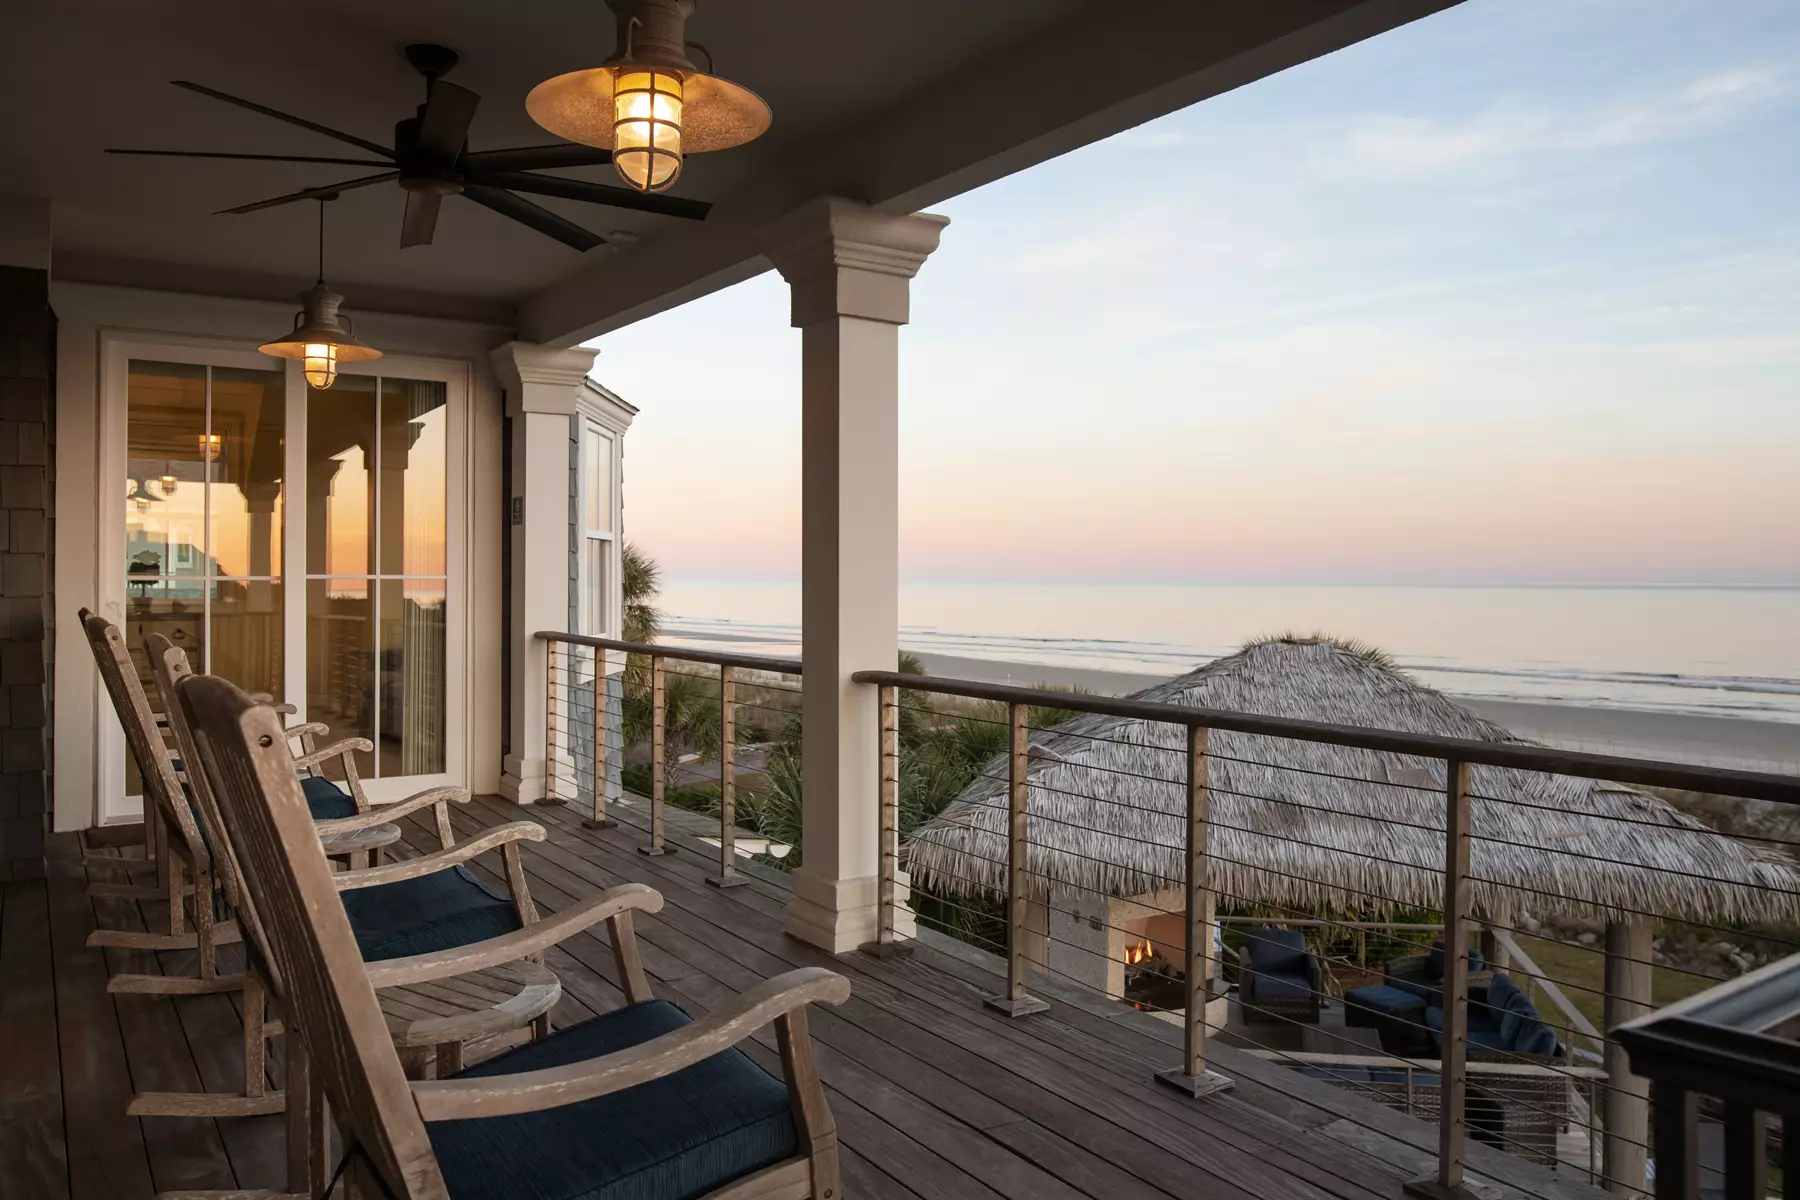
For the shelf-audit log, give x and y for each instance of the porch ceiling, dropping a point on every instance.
(852, 86)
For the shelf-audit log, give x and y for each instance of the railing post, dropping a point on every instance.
(1192, 1076)
(552, 792)
(727, 876)
(1677, 1133)
(600, 820)
(1453, 1069)
(884, 945)
(659, 769)
(1017, 1002)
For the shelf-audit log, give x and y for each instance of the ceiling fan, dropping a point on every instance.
(430, 160)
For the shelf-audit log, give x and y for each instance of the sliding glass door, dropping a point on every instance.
(376, 568)
(203, 519)
(301, 543)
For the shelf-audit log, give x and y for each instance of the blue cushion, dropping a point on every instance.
(1434, 1018)
(1281, 950)
(432, 912)
(326, 799)
(1279, 987)
(1434, 961)
(673, 1138)
(1378, 997)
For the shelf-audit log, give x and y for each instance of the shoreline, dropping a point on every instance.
(1749, 745)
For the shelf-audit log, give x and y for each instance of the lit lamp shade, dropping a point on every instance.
(321, 338)
(650, 116)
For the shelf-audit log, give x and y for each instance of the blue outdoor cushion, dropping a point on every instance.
(1282, 950)
(432, 912)
(673, 1138)
(1280, 987)
(1380, 998)
(326, 799)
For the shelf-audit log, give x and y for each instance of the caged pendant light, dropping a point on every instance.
(321, 337)
(649, 104)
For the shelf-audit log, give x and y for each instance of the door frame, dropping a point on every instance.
(117, 349)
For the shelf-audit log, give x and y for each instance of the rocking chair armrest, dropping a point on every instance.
(553, 1087)
(387, 814)
(443, 860)
(335, 750)
(312, 727)
(535, 938)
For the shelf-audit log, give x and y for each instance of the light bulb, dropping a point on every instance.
(320, 364)
(169, 484)
(647, 128)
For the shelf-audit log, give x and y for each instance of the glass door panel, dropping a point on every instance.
(340, 657)
(203, 516)
(377, 464)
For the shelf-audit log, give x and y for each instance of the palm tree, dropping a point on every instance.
(642, 584)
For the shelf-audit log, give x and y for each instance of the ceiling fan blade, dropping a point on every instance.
(305, 158)
(593, 193)
(318, 193)
(526, 213)
(420, 221)
(302, 122)
(446, 122)
(536, 158)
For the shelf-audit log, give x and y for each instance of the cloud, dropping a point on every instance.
(1428, 146)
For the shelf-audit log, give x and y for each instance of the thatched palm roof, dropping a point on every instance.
(1304, 823)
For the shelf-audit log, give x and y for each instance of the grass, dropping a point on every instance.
(1581, 974)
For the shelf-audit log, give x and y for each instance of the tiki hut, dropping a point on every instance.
(1300, 825)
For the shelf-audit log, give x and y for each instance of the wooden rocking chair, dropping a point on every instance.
(639, 1094)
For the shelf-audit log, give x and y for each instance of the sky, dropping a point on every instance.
(1511, 294)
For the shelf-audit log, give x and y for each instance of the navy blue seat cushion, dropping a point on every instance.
(1280, 987)
(673, 1138)
(432, 912)
(1279, 950)
(326, 799)
(1379, 997)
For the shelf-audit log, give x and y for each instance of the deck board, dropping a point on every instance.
(936, 1097)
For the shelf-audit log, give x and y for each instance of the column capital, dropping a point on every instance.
(541, 379)
(844, 259)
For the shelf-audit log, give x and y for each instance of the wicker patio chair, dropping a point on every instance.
(639, 1095)
(1279, 980)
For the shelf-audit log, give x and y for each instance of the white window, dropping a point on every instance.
(595, 508)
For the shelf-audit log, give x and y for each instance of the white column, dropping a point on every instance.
(542, 384)
(848, 267)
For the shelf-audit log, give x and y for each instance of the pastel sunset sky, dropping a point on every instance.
(1509, 294)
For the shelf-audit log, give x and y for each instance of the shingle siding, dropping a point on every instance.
(27, 567)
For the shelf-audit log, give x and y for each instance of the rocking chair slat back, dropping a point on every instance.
(326, 990)
(168, 666)
(154, 762)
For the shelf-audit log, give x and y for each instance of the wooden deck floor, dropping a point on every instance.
(936, 1097)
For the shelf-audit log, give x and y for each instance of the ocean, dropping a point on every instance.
(1708, 651)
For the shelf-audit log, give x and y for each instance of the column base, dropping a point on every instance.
(602, 823)
(1206, 1084)
(836, 915)
(1024, 1006)
(522, 779)
(1428, 1188)
(656, 851)
(726, 881)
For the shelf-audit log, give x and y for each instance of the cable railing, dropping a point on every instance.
(1108, 843)
(587, 725)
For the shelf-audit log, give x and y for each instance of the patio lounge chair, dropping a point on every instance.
(641, 1098)
(1279, 980)
(1423, 974)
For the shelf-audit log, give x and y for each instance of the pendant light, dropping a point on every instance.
(321, 337)
(649, 104)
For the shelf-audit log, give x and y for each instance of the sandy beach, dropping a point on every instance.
(1672, 737)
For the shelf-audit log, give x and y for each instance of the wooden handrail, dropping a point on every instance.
(749, 662)
(1756, 785)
